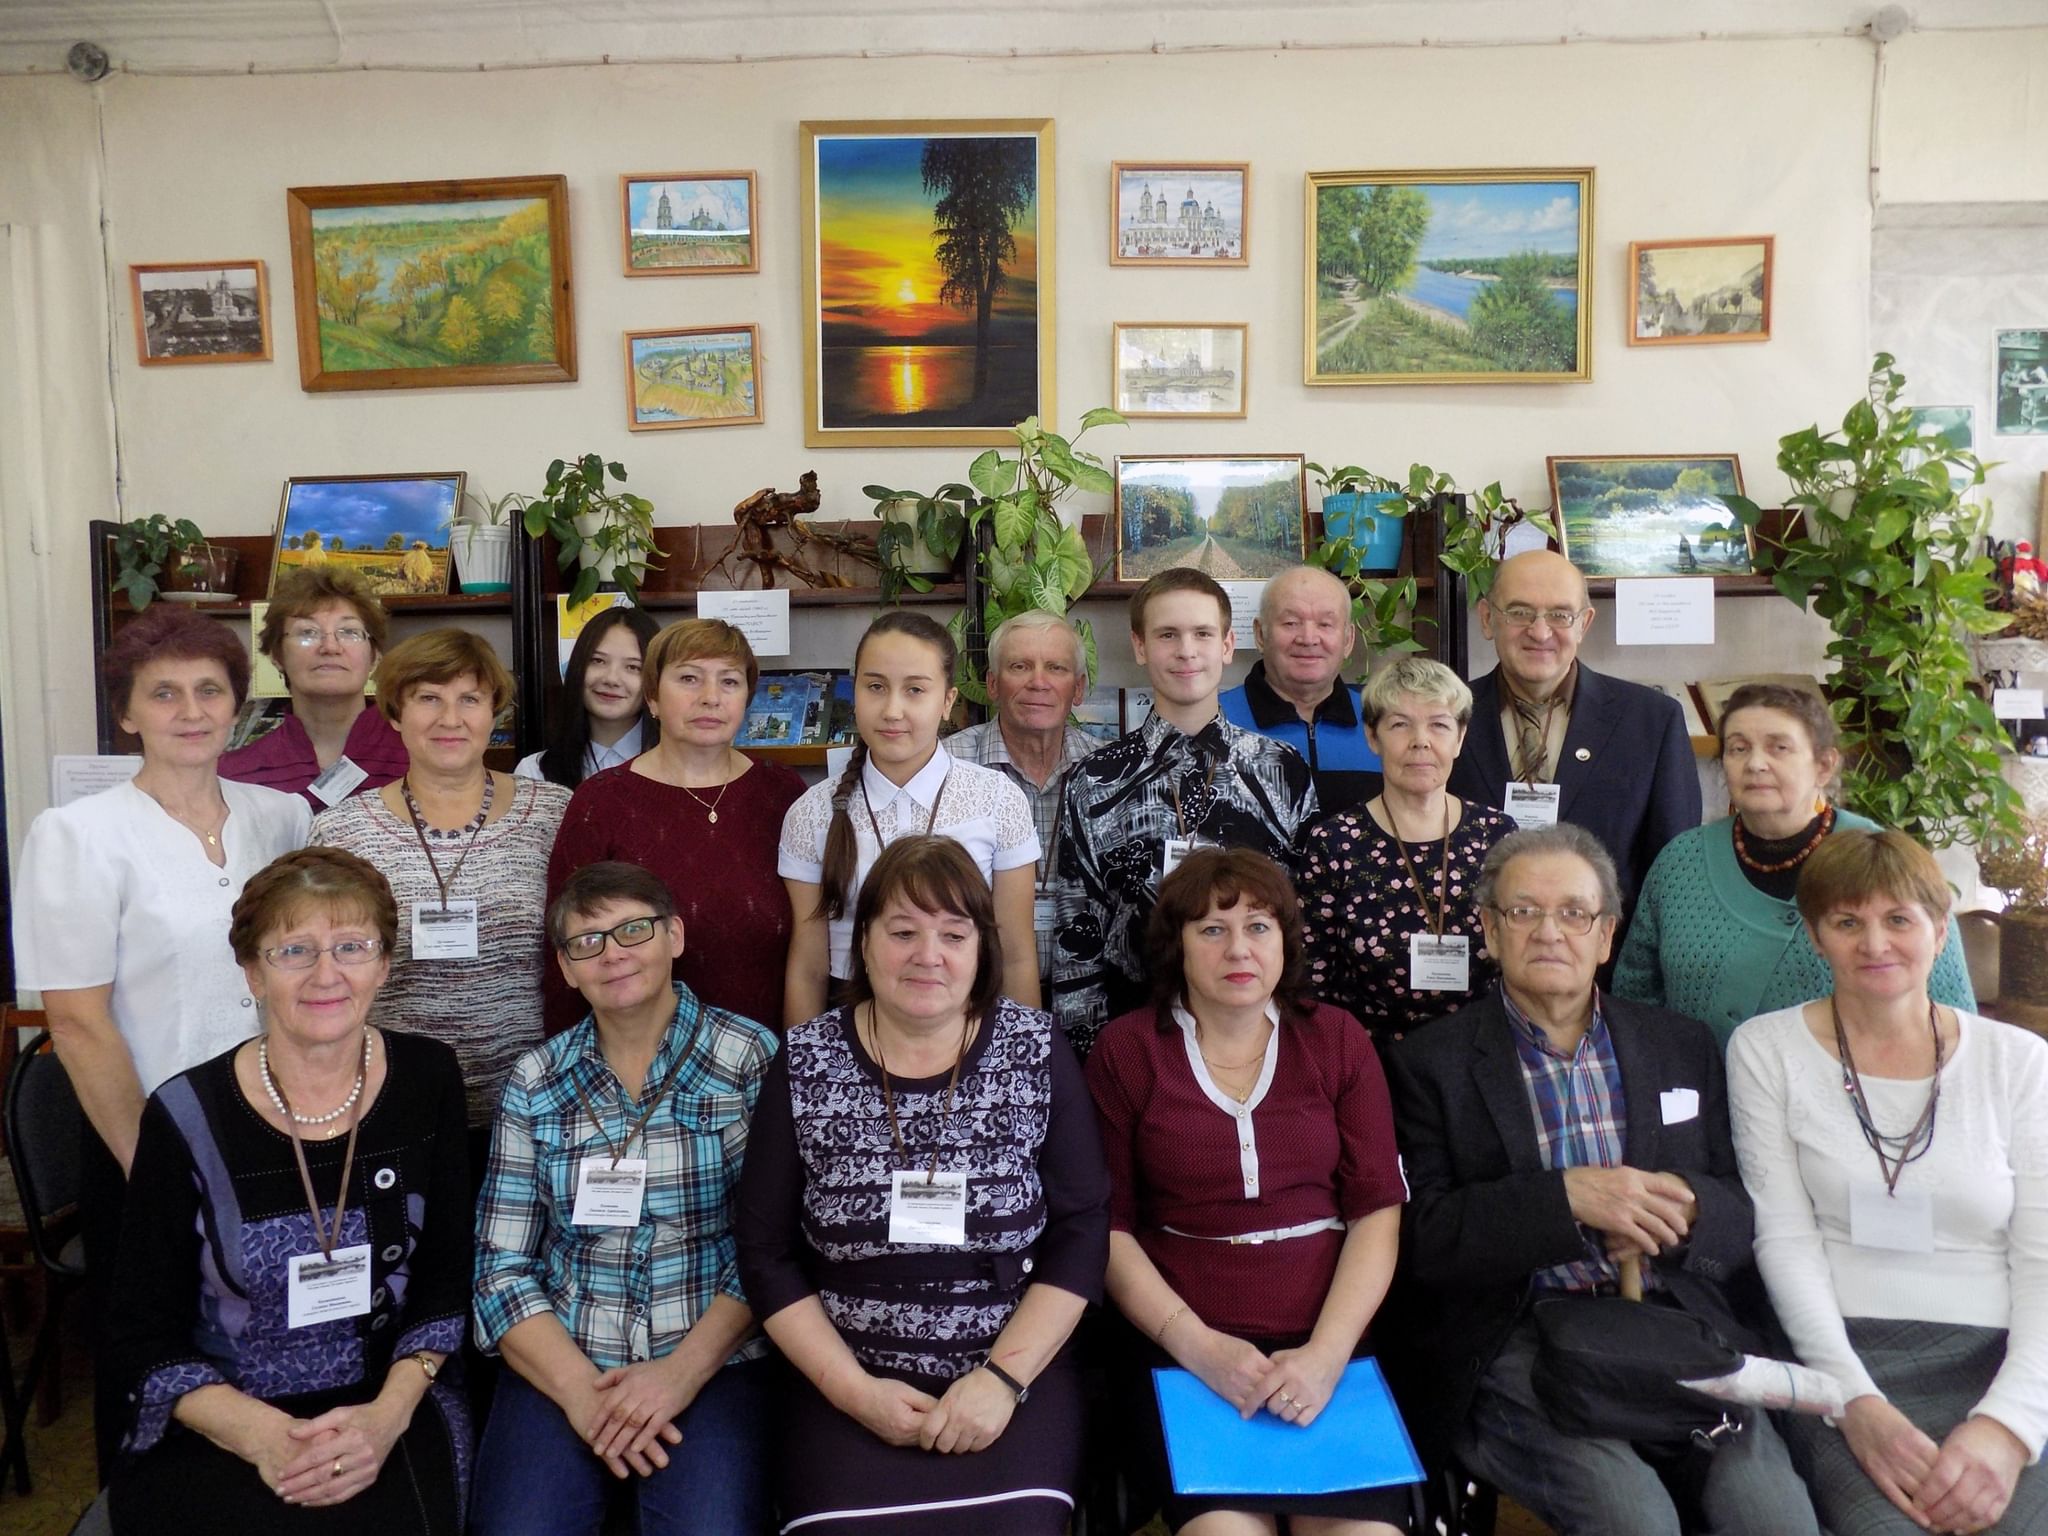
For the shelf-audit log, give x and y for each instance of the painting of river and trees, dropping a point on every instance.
(1661, 516)
(1233, 517)
(1450, 277)
(433, 283)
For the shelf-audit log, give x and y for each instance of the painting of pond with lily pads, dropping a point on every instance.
(1651, 516)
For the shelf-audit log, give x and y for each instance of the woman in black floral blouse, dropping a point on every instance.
(1386, 887)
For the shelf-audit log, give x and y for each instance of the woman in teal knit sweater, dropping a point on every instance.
(1715, 935)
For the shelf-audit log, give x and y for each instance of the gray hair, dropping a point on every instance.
(1030, 619)
(1564, 837)
(1269, 598)
(1414, 677)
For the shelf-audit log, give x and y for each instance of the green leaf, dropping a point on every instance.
(1092, 477)
(618, 471)
(1071, 553)
(1087, 631)
(992, 474)
(586, 585)
(1101, 416)
(1013, 523)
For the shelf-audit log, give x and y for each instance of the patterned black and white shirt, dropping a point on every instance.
(1222, 785)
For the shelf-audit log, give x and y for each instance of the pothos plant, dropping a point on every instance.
(147, 548)
(1378, 606)
(1032, 560)
(621, 535)
(1887, 553)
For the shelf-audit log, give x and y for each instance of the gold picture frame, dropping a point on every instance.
(1167, 370)
(1704, 301)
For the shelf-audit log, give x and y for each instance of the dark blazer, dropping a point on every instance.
(1483, 1213)
(1635, 788)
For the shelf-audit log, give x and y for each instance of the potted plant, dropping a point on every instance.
(2016, 864)
(1886, 550)
(482, 542)
(1366, 511)
(920, 536)
(609, 532)
(155, 554)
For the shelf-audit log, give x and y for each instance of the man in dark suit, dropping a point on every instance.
(1553, 740)
(1550, 1133)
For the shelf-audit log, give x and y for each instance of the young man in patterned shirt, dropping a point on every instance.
(1187, 778)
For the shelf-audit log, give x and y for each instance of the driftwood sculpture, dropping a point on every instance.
(767, 510)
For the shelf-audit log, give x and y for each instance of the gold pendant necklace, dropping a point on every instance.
(711, 810)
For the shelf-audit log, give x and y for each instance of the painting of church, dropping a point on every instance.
(1175, 214)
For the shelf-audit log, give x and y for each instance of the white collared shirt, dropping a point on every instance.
(977, 807)
(1247, 1137)
(595, 758)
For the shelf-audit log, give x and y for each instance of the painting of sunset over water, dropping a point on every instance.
(928, 320)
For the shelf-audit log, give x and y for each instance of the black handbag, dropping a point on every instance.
(1610, 1369)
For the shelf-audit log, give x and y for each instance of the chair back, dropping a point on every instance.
(45, 1128)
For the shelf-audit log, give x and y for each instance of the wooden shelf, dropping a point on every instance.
(789, 757)
(1724, 586)
(450, 602)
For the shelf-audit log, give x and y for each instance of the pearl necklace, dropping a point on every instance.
(277, 1099)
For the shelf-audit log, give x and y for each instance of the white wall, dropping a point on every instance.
(1965, 118)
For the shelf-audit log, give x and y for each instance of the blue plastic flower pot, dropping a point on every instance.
(1373, 521)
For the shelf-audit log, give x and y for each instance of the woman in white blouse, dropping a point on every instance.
(1897, 1154)
(900, 781)
(123, 900)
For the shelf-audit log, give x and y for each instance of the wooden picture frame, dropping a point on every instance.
(393, 530)
(1208, 224)
(697, 234)
(671, 387)
(889, 359)
(1693, 293)
(1667, 501)
(1159, 498)
(379, 305)
(195, 312)
(1448, 277)
(1174, 370)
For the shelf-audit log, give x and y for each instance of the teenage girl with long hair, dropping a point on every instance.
(899, 782)
(601, 715)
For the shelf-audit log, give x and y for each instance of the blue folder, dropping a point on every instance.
(1357, 1441)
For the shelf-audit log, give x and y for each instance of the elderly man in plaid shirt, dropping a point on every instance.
(606, 1270)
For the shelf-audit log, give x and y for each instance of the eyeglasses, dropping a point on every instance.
(630, 934)
(1522, 616)
(1576, 921)
(311, 635)
(303, 957)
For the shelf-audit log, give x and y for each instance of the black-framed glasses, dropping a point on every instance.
(303, 957)
(630, 934)
(1577, 921)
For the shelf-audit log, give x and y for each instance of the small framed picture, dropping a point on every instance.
(1174, 369)
(392, 530)
(689, 223)
(1237, 517)
(2022, 384)
(1696, 292)
(1651, 515)
(201, 312)
(706, 376)
(1179, 213)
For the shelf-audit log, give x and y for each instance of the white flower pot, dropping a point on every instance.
(917, 555)
(483, 556)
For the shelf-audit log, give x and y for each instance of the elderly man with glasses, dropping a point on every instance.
(1552, 740)
(1551, 1136)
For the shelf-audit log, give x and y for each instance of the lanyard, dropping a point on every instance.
(618, 1149)
(1208, 782)
(1437, 919)
(1052, 853)
(1918, 1139)
(348, 1162)
(929, 822)
(889, 1097)
(419, 829)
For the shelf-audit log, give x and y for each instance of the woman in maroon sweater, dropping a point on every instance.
(1255, 1189)
(703, 817)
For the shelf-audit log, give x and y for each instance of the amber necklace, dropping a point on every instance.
(1742, 854)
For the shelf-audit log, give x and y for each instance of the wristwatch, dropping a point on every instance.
(427, 1363)
(1023, 1392)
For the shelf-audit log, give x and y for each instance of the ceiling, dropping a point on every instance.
(209, 36)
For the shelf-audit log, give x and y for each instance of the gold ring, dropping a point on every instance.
(337, 1468)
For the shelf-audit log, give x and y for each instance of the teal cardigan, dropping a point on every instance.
(1706, 943)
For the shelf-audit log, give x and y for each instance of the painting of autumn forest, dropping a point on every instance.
(434, 285)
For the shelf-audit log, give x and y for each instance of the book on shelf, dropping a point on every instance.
(799, 709)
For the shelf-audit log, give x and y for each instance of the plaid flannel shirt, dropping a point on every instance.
(623, 1293)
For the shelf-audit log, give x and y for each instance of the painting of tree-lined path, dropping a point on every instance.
(1233, 519)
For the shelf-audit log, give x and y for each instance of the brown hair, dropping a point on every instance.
(166, 632)
(1181, 578)
(439, 656)
(698, 640)
(1856, 865)
(933, 874)
(309, 587)
(330, 879)
(1223, 877)
(842, 856)
(594, 885)
(1808, 708)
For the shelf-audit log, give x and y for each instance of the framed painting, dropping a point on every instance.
(1695, 292)
(706, 376)
(428, 284)
(2022, 389)
(1180, 370)
(1448, 277)
(393, 530)
(688, 223)
(1237, 517)
(928, 297)
(200, 312)
(1179, 213)
(1654, 515)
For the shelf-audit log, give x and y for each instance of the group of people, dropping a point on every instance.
(469, 1148)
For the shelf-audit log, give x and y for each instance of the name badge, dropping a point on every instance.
(922, 1211)
(1044, 916)
(342, 779)
(444, 933)
(1439, 962)
(1533, 805)
(608, 1196)
(1902, 1222)
(1678, 1105)
(320, 1289)
(1178, 848)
